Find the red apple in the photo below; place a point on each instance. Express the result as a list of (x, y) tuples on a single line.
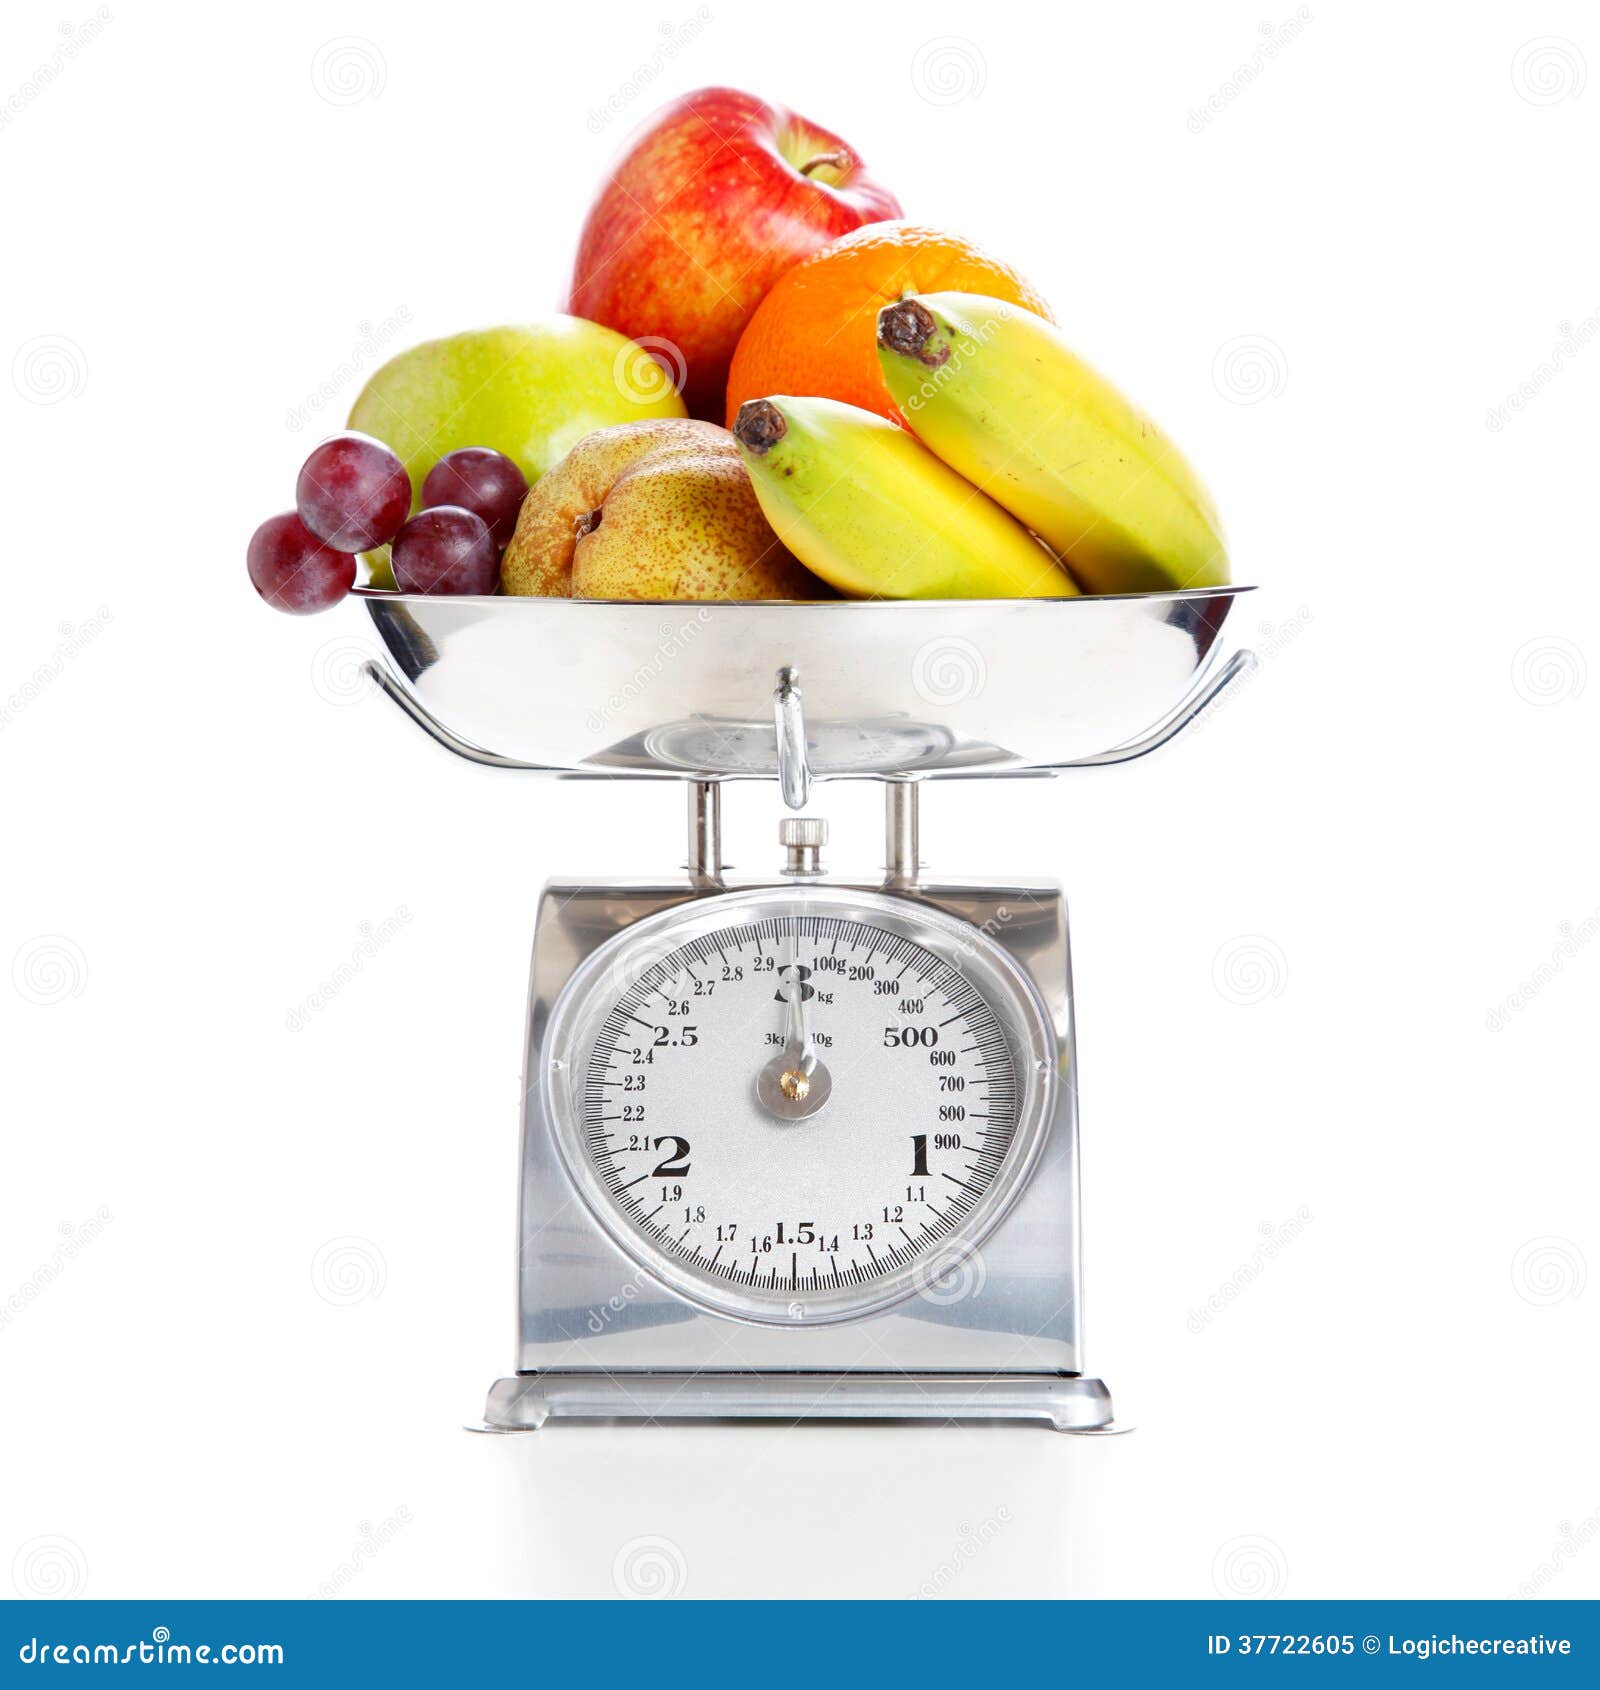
[(712, 200)]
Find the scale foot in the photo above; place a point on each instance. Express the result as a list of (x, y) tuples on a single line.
[(1066, 1401)]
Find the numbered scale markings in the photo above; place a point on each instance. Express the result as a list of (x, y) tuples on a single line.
[(801, 1113)]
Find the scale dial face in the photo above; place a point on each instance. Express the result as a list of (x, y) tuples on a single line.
[(799, 1104)]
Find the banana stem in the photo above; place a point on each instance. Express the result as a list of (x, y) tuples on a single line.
[(759, 426), (907, 327)]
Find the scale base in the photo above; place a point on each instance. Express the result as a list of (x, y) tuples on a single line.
[(1069, 1402)]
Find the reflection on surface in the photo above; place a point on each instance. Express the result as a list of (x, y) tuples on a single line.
[(915, 688)]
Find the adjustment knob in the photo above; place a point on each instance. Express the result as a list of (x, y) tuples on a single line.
[(802, 839), (803, 830)]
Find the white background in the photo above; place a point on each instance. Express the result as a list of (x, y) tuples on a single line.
[(1292, 931)]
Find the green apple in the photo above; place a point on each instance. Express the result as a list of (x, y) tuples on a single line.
[(380, 568), (532, 391)]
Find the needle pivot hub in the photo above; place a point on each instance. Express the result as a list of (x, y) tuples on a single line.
[(788, 1092)]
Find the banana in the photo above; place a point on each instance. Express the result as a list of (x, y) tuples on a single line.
[(993, 390), (870, 509)]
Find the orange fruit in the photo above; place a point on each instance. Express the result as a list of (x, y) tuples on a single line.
[(816, 332)]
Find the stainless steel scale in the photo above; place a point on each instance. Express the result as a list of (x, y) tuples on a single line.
[(794, 1147)]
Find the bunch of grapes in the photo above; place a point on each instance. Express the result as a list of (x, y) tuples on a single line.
[(354, 493)]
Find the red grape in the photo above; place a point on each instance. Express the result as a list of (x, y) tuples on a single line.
[(480, 480), (445, 550), (353, 492), (292, 569)]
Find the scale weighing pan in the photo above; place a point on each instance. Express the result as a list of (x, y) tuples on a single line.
[(836, 689)]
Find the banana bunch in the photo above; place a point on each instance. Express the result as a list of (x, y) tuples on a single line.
[(872, 511), (1025, 473), (997, 394)]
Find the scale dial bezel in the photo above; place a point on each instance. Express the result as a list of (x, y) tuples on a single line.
[(602, 980)]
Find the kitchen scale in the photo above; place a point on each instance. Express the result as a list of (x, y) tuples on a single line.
[(792, 1146)]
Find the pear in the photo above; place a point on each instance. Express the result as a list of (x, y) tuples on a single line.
[(661, 509), (538, 562)]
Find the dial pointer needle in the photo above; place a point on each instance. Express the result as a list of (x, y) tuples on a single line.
[(794, 1085), (799, 1051)]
